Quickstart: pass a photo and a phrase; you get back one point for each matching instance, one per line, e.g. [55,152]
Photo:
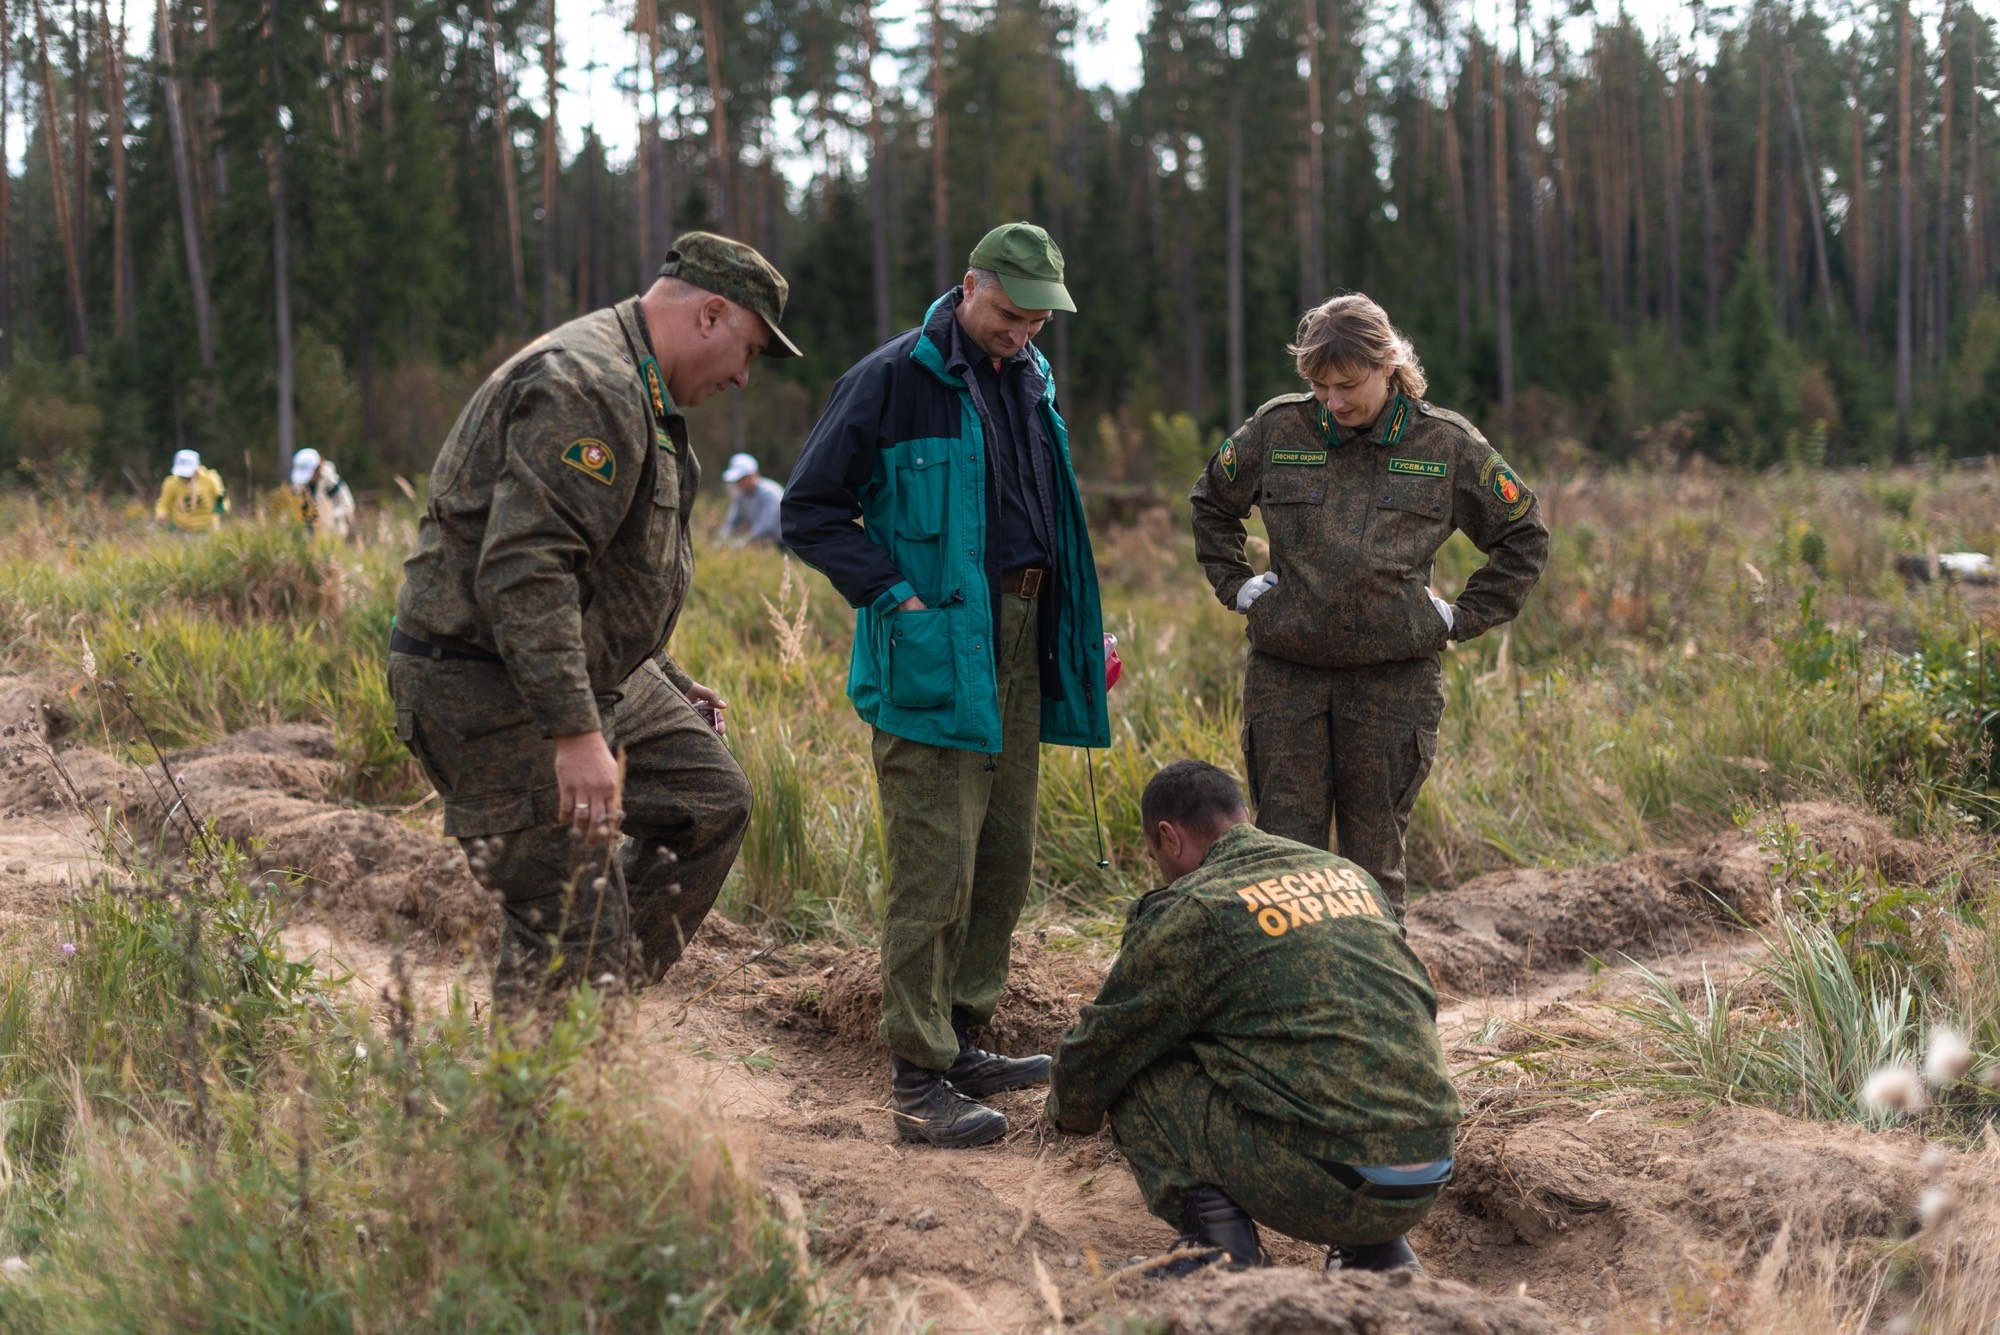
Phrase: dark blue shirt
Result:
[1017,453]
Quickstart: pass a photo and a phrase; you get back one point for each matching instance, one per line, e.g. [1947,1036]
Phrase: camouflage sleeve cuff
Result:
[564,715]
[675,673]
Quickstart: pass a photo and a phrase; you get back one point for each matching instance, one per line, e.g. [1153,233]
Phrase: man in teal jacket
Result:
[977,637]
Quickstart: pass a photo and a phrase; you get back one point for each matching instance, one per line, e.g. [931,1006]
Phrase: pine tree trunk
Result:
[79,142]
[1454,165]
[1676,174]
[1482,199]
[1946,212]
[941,266]
[390,40]
[1760,198]
[1234,210]
[1565,256]
[1857,203]
[1905,272]
[1503,282]
[510,183]
[726,188]
[59,193]
[551,173]
[123,288]
[1059,338]
[1711,278]
[6,197]
[204,319]
[1822,268]
[642,165]
[1976,252]
[281,255]
[878,182]
[1313,280]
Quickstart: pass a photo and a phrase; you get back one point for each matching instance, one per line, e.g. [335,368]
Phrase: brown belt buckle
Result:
[1031,582]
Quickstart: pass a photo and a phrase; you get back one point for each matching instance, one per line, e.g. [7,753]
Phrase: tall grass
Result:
[1689,649]
[197,1134]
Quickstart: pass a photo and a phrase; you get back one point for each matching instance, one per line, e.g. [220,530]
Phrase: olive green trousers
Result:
[1342,750]
[571,911]
[1179,1130]
[960,830]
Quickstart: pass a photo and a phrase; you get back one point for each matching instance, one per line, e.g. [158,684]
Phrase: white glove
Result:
[1444,610]
[1254,588]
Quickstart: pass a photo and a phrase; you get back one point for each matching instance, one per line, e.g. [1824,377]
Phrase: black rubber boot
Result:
[1214,1230]
[928,1109]
[977,1073]
[1395,1254]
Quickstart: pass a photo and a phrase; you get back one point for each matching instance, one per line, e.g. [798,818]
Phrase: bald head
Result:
[704,342]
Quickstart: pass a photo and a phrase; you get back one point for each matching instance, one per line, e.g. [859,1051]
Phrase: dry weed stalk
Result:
[789,623]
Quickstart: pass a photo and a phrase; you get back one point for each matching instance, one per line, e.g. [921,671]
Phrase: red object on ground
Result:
[1114,666]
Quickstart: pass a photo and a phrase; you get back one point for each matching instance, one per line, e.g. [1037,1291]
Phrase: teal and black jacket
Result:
[902,448]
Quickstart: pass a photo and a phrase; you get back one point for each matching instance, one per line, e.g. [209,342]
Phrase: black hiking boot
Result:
[1214,1231]
[977,1073]
[928,1109]
[1395,1254]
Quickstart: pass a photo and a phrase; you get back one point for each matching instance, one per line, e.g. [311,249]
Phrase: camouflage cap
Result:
[736,271]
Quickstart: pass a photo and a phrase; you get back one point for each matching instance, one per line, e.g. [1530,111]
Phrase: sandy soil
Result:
[1563,1209]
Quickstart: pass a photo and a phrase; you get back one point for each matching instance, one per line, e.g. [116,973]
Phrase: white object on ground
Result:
[1966,565]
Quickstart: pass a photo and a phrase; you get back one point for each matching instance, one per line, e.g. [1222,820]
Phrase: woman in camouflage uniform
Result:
[1360,481]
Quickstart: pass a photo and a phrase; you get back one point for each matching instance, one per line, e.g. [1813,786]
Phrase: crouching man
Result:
[1265,1045]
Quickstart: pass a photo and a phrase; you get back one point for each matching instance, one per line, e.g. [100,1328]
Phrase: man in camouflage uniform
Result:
[531,630]
[1265,1045]
[1360,482]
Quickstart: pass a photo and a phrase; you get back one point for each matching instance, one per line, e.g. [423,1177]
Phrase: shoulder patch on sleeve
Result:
[1226,458]
[593,458]
[1506,486]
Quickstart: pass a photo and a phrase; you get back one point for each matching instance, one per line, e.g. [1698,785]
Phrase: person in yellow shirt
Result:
[317,500]
[192,499]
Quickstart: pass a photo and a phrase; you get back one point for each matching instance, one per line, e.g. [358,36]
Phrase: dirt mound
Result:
[357,865]
[1045,989]
[1492,932]
[27,704]
[1300,1302]
[1581,1205]
[306,741]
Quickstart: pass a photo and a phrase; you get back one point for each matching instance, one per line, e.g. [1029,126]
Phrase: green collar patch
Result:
[592,458]
[662,439]
[1226,457]
[1399,417]
[656,389]
[1418,467]
[1329,430]
[1299,458]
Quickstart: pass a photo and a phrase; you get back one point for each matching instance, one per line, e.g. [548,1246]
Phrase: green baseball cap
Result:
[1029,265]
[736,271]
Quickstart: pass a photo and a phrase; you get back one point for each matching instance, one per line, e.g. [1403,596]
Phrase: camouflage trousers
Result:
[960,830]
[1179,1129]
[1348,748]
[571,911]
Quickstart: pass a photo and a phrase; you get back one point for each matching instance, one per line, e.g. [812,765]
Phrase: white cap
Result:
[304,464]
[186,463]
[740,467]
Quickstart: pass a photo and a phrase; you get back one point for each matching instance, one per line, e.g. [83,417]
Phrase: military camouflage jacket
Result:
[1355,520]
[556,534]
[1280,968]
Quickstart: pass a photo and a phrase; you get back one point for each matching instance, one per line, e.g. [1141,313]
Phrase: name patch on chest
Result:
[1299,899]
[1418,467]
[1299,458]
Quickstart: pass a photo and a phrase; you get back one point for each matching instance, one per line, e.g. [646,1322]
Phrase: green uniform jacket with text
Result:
[1278,967]
[1355,520]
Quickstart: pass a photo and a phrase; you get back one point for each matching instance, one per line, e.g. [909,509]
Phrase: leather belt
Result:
[401,643]
[1361,1186]
[1026,582]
